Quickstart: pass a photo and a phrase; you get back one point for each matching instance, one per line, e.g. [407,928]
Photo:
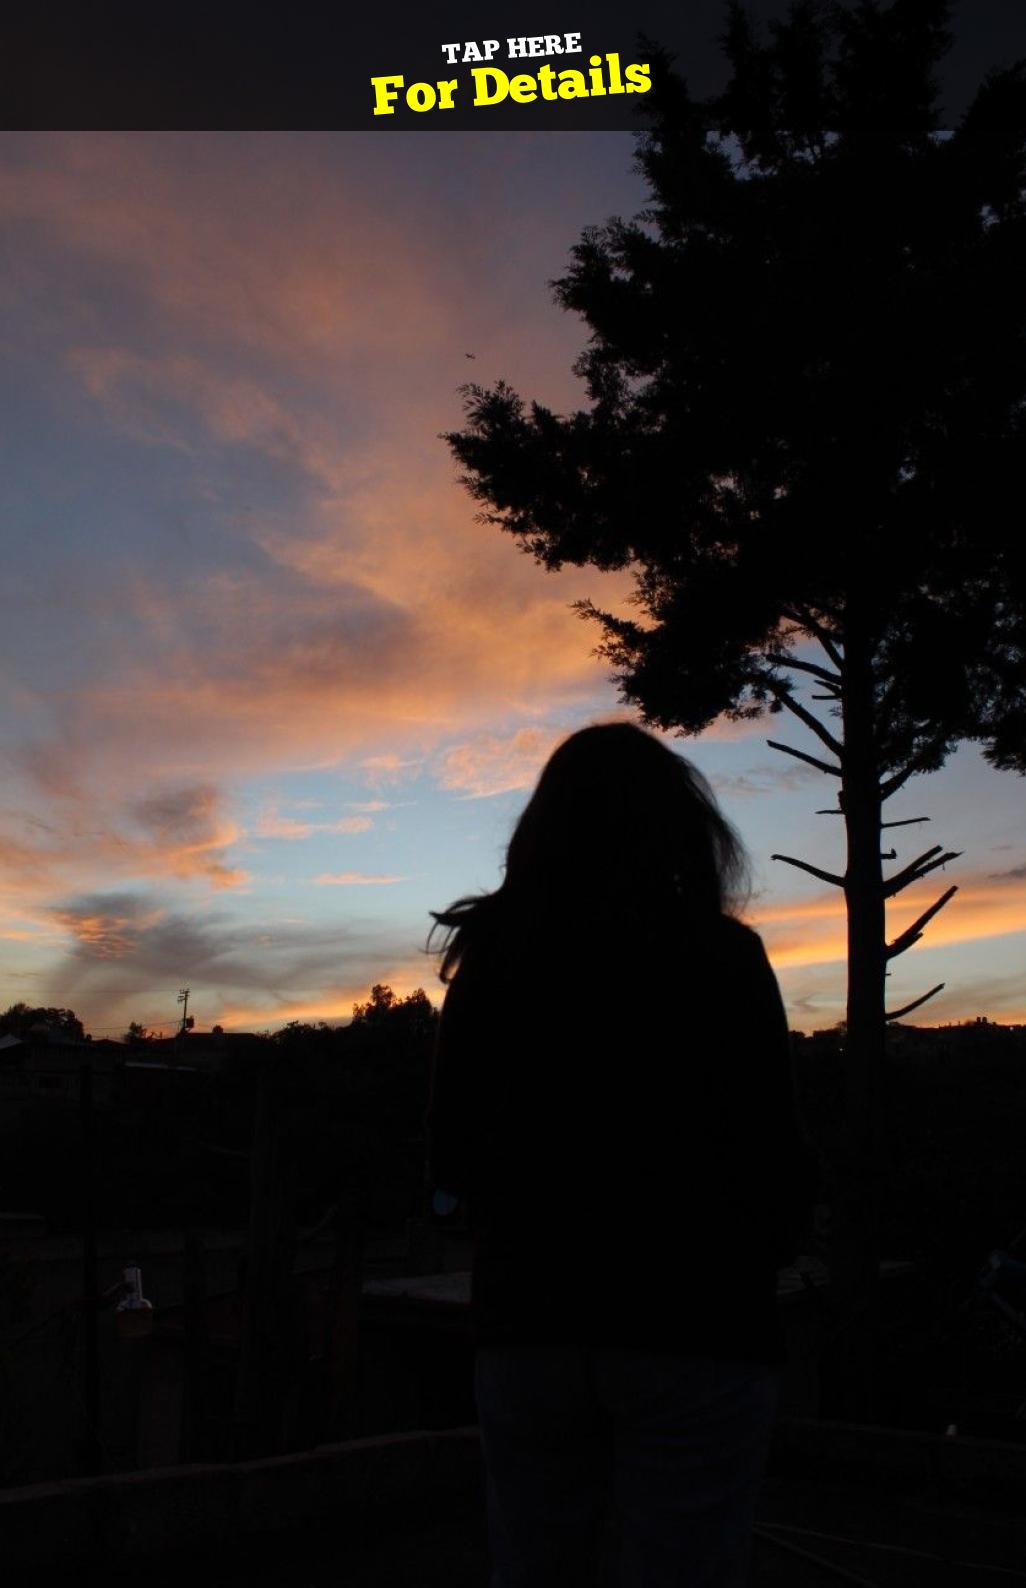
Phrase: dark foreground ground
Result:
[859,1536]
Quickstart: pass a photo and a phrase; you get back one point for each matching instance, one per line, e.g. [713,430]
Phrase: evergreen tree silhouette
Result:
[807,408]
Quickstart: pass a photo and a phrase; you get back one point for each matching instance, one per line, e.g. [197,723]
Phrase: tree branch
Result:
[916,764]
[814,871]
[823,635]
[913,933]
[779,659]
[893,784]
[917,869]
[821,766]
[927,854]
[907,1009]
[822,734]
[909,821]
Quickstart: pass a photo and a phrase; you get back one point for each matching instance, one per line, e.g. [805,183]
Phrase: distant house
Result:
[147,1083]
[206,1051]
[45,1065]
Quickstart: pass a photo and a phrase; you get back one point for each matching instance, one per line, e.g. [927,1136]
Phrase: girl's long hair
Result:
[621,841]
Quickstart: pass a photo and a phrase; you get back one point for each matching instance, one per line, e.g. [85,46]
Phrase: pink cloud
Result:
[296,267]
[495,764]
[272,825]
[177,831]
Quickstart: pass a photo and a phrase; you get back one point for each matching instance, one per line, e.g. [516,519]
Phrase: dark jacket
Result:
[621,1124]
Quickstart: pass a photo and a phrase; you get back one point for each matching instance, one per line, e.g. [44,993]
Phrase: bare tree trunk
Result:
[855,1240]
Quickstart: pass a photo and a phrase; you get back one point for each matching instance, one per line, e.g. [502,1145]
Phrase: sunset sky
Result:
[270,693]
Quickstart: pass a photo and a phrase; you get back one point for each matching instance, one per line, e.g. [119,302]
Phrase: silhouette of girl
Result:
[612,1098]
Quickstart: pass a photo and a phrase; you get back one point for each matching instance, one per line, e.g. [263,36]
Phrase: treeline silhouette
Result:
[175,1139]
[953,1180]
[172,1145]
[953,1190]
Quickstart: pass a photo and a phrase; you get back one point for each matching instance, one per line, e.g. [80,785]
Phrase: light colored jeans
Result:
[676,1445]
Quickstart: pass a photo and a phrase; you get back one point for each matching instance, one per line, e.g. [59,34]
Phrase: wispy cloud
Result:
[108,927]
[353,879]
[388,769]
[179,831]
[495,764]
[188,831]
[127,953]
[758,781]
[272,825]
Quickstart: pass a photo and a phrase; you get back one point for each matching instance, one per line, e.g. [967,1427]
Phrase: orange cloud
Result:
[495,764]
[383,621]
[107,930]
[178,831]
[271,825]
[813,931]
[188,834]
[299,268]
[389,768]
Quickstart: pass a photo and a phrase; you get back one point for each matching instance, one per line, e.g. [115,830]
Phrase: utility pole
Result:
[185,1024]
